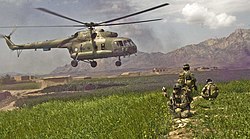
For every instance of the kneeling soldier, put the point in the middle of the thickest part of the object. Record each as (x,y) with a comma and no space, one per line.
(210,91)
(179,102)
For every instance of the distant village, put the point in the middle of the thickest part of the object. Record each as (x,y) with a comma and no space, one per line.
(56,80)
(174,71)
(46,81)
(7,79)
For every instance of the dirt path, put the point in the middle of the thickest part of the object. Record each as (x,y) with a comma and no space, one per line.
(24,93)
(9,103)
(9,106)
(179,129)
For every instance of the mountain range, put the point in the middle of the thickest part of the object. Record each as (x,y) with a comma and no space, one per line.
(231,52)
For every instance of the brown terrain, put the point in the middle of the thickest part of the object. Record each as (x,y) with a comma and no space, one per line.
(9,97)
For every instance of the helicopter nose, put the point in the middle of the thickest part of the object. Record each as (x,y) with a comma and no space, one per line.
(132,49)
(126,45)
(130,46)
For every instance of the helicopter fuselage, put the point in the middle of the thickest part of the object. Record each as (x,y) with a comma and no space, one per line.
(81,48)
(103,48)
(86,45)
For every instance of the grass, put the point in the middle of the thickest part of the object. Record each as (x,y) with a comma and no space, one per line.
(136,110)
(127,116)
(227,116)
(129,84)
(20,86)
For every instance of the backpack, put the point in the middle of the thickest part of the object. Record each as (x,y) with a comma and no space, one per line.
(189,79)
(213,90)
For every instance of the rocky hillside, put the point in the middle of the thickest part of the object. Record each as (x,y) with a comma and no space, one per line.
(232,51)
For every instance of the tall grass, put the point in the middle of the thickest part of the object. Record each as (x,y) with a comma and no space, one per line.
(227,116)
(129,84)
(116,116)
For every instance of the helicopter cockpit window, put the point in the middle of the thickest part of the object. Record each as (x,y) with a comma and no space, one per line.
(118,43)
(126,43)
(131,43)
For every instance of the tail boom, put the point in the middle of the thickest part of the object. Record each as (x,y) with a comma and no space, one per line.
(11,45)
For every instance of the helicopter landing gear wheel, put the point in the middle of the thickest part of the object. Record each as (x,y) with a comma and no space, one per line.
(74,63)
(118,63)
(93,64)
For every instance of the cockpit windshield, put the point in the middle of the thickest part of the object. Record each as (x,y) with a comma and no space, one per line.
(126,43)
(131,43)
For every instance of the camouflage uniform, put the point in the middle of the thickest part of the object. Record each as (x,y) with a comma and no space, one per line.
(187,79)
(210,91)
(179,102)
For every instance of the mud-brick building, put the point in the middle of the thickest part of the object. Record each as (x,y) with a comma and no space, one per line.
(24,78)
(57,80)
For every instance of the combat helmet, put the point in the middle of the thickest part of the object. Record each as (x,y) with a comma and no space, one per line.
(208,80)
(186,67)
(177,86)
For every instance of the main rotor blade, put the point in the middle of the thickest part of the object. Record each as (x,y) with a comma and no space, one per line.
(53,26)
(59,15)
(133,14)
(134,22)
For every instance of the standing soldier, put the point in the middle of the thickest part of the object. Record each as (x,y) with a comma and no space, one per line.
(187,79)
(210,91)
(179,103)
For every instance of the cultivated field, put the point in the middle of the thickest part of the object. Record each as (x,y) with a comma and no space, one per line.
(227,116)
(129,107)
(20,86)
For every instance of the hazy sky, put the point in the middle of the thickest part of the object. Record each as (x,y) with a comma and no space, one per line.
(185,22)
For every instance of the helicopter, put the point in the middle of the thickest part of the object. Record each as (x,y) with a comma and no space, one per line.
(87,45)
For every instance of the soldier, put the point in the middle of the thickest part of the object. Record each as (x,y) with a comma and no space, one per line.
(164,91)
(187,78)
(179,102)
(210,91)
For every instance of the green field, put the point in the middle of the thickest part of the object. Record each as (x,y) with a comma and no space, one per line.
(128,84)
(135,110)
(20,86)
(127,116)
(227,116)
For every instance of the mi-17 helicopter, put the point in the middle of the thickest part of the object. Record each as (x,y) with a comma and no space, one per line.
(86,45)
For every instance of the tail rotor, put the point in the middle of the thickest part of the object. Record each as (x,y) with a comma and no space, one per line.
(8,36)
(12,32)
(7,39)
